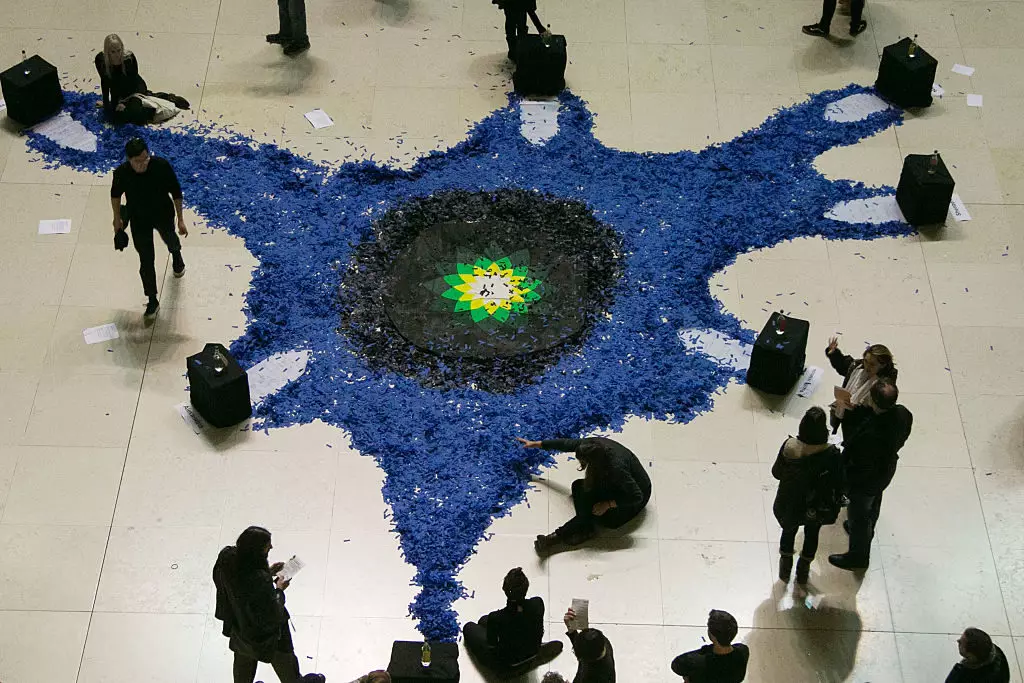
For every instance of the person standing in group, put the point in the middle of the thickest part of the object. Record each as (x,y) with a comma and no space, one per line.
(810,486)
(828,9)
(292,34)
(983,661)
(593,652)
(858,377)
(870,454)
(614,490)
(153,200)
(250,602)
(721,661)
(508,640)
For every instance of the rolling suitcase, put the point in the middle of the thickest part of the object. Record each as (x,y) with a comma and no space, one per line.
(540,62)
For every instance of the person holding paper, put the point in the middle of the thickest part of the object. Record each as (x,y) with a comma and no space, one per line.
(251,603)
(871,452)
(614,490)
(154,199)
(593,652)
(810,485)
(508,640)
(719,662)
(858,377)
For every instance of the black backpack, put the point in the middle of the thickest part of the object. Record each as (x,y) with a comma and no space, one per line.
(824,496)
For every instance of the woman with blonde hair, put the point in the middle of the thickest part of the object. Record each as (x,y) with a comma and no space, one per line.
(859,376)
(126,97)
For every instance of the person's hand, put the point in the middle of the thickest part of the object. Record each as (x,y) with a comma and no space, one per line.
(833,344)
(182,228)
(281,584)
(569,618)
(276,567)
(99,105)
(527,443)
(119,107)
(118,224)
(602,507)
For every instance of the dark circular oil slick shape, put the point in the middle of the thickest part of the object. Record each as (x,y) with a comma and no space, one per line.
(547,262)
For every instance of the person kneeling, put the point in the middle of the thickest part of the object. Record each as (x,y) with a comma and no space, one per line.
(508,640)
(613,491)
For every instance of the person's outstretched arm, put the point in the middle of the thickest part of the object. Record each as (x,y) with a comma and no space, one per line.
(564,445)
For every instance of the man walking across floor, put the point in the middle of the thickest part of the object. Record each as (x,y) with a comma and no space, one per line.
(871,452)
(153,201)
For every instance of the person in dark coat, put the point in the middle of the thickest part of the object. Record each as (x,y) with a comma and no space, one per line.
(508,640)
(118,69)
(859,376)
(516,27)
(810,483)
(614,490)
(983,661)
(593,652)
(250,602)
(719,662)
(291,34)
(870,454)
(823,26)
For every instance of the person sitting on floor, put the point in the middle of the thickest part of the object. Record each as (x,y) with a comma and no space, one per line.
(126,98)
(593,651)
(719,662)
(614,490)
(378,676)
(983,661)
(508,640)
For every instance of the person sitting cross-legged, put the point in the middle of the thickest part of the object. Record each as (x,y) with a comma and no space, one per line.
(721,661)
(508,640)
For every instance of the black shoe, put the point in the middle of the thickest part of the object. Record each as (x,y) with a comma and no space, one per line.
(545,543)
(178,264)
(785,567)
(278,39)
(848,562)
(296,47)
(859,28)
(846,526)
(803,570)
(815,30)
(151,308)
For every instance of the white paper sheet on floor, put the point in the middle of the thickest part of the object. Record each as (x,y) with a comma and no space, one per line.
(855,108)
(319,118)
(100,333)
(60,226)
(67,132)
(273,373)
(539,120)
(717,346)
(868,210)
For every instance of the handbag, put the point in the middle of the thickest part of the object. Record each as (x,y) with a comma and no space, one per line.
(822,503)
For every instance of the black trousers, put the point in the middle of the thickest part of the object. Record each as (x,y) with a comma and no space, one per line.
(142,235)
(285,663)
(582,526)
(475,637)
(863,512)
(828,9)
(788,541)
(515,26)
(292,15)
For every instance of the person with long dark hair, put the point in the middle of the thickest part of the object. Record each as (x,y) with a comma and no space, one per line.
(250,602)
(508,640)
(614,489)
(810,485)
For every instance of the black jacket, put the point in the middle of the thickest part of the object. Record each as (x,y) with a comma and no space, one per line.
(252,609)
(626,481)
(122,82)
(996,670)
(516,634)
(871,451)
(601,671)
(803,471)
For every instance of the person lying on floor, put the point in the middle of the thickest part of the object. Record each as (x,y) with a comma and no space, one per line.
(126,98)
(508,640)
(614,489)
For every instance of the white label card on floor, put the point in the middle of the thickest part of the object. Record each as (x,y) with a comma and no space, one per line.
(319,118)
(974,100)
(809,381)
(937,90)
(959,211)
(100,333)
(3,105)
(193,419)
(60,226)
(963,70)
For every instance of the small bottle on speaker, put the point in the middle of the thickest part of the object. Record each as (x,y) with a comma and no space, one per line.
(912,48)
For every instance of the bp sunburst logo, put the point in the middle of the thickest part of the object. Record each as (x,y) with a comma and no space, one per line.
(491,289)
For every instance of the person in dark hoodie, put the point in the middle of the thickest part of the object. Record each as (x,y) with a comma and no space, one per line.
(250,602)
(870,453)
(593,652)
(508,640)
(614,490)
(810,484)
(721,661)
(983,661)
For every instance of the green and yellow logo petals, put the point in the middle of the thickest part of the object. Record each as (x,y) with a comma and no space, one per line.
(491,289)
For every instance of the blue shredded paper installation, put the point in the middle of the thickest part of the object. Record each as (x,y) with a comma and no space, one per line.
(451,463)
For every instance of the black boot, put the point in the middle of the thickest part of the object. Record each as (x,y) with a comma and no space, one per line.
(848,562)
(785,567)
(803,570)
(545,544)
